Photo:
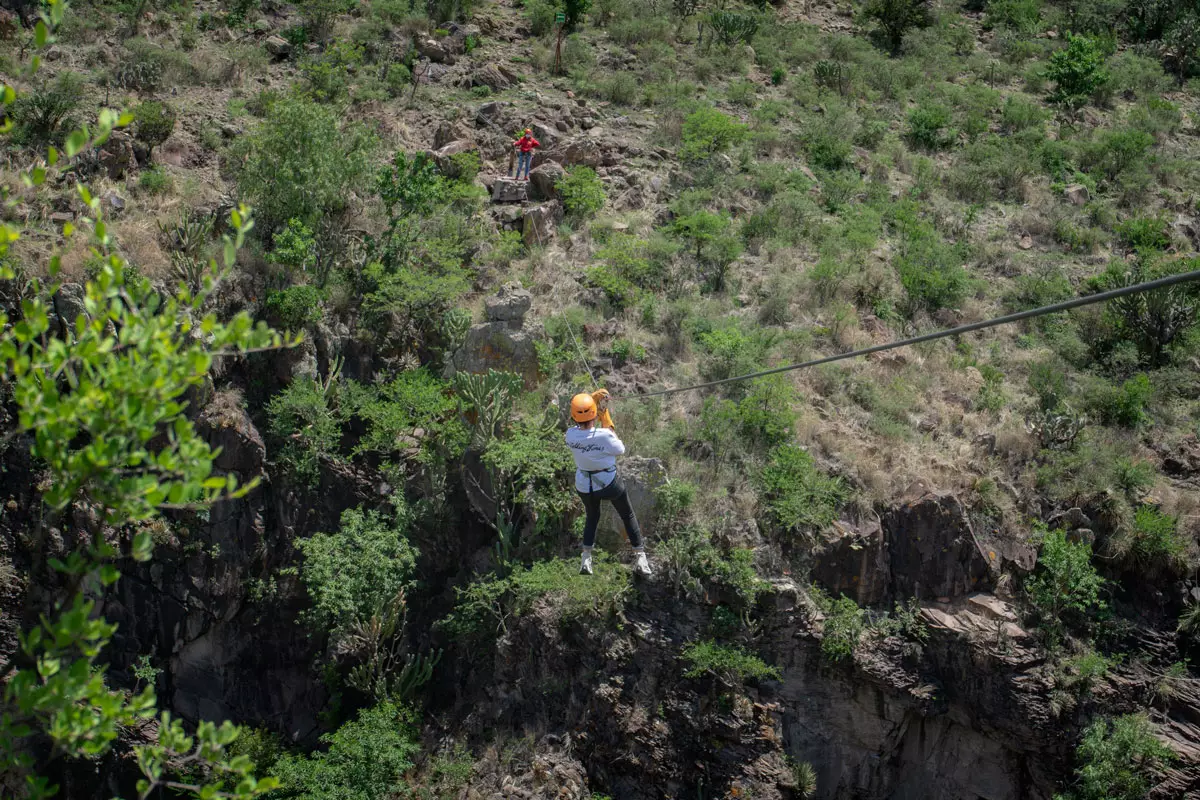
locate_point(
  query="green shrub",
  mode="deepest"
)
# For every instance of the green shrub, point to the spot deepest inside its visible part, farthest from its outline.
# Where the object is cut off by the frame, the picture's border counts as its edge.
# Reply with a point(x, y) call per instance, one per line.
point(295, 307)
point(366, 759)
point(388, 412)
point(301, 163)
point(1077, 71)
point(1153, 540)
point(1137, 76)
point(1112, 153)
point(1144, 233)
point(154, 181)
point(733, 27)
point(318, 16)
point(895, 18)
point(540, 15)
point(622, 88)
point(582, 192)
point(153, 123)
point(929, 127)
point(1156, 322)
point(486, 605)
point(301, 420)
point(354, 574)
point(44, 115)
point(931, 271)
point(1020, 114)
point(295, 247)
point(1118, 759)
point(707, 132)
point(843, 625)
point(618, 290)
point(1064, 588)
point(1125, 405)
point(690, 557)
point(799, 497)
point(731, 665)
point(575, 10)
point(733, 350)
point(1024, 16)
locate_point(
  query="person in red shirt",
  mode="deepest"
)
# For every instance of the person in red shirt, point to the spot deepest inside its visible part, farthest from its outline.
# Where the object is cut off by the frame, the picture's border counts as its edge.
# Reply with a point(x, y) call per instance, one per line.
point(525, 147)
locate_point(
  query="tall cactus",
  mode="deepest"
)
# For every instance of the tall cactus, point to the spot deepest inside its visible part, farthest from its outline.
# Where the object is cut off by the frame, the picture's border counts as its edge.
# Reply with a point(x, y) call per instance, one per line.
point(486, 398)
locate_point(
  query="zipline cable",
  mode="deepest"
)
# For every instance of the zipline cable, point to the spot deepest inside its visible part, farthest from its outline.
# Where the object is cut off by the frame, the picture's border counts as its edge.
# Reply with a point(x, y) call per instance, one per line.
point(1113, 294)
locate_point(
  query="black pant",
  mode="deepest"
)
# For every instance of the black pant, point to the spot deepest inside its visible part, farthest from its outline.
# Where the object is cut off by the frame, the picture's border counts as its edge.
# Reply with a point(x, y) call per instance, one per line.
point(615, 493)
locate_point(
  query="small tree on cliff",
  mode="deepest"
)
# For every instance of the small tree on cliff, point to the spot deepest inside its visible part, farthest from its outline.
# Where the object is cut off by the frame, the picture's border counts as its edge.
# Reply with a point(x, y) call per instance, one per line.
point(92, 402)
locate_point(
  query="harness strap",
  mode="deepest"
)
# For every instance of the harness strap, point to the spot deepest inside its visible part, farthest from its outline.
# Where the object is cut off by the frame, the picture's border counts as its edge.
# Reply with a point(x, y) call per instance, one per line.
point(591, 472)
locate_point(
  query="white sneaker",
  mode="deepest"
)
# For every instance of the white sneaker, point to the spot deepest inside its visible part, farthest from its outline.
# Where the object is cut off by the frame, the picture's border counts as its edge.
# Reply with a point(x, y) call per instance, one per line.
point(641, 564)
point(585, 563)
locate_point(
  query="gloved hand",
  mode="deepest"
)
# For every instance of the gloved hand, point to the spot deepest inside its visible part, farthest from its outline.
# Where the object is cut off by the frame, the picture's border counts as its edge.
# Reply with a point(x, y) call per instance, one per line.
point(603, 418)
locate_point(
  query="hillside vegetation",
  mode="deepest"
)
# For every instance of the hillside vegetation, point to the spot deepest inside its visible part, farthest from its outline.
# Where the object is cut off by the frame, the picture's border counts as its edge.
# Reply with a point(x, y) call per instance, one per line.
point(722, 187)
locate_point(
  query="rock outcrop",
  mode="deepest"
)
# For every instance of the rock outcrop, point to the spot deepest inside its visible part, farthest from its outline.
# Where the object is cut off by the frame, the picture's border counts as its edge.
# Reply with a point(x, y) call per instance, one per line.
point(504, 342)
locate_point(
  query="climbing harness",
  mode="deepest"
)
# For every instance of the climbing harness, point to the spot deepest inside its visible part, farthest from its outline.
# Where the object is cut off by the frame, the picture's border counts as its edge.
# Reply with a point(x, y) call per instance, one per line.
point(1125, 291)
point(591, 472)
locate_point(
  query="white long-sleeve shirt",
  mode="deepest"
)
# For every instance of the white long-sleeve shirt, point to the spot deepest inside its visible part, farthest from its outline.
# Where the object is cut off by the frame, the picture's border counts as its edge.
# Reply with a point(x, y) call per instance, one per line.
point(594, 449)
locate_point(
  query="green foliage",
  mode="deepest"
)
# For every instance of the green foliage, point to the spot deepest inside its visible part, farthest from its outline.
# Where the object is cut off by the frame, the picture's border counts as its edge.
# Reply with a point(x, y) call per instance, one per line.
point(301, 163)
point(153, 123)
point(417, 270)
point(486, 605)
point(1122, 405)
point(318, 16)
point(733, 27)
point(295, 247)
point(530, 467)
point(1024, 16)
point(1077, 71)
point(895, 18)
point(1144, 233)
point(928, 126)
point(102, 412)
point(1064, 589)
point(843, 625)
point(799, 496)
point(575, 10)
point(352, 575)
point(690, 557)
point(762, 419)
point(295, 307)
point(540, 14)
point(582, 192)
point(1118, 759)
point(1156, 322)
point(154, 181)
point(366, 759)
point(1153, 540)
point(931, 271)
point(388, 413)
point(707, 132)
point(733, 350)
point(301, 420)
point(729, 664)
point(44, 115)
point(488, 397)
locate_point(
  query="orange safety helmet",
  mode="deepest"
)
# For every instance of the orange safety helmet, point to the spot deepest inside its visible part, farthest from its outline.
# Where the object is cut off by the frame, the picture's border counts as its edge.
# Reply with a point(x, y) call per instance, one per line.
point(583, 408)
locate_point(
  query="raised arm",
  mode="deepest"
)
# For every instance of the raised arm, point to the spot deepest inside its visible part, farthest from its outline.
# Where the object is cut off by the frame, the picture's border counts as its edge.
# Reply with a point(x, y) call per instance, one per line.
point(612, 443)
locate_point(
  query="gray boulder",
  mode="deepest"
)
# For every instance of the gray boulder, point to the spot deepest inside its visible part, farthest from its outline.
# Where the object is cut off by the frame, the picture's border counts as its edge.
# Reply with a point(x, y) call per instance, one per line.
point(504, 342)
point(510, 305)
point(544, 180)
point(435, 50)
point(510, 190)
point(278, 46)
point(541, 223)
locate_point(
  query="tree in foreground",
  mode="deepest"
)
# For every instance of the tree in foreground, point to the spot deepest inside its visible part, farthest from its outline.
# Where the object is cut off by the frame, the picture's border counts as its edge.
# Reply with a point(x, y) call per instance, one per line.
point(100, 404)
